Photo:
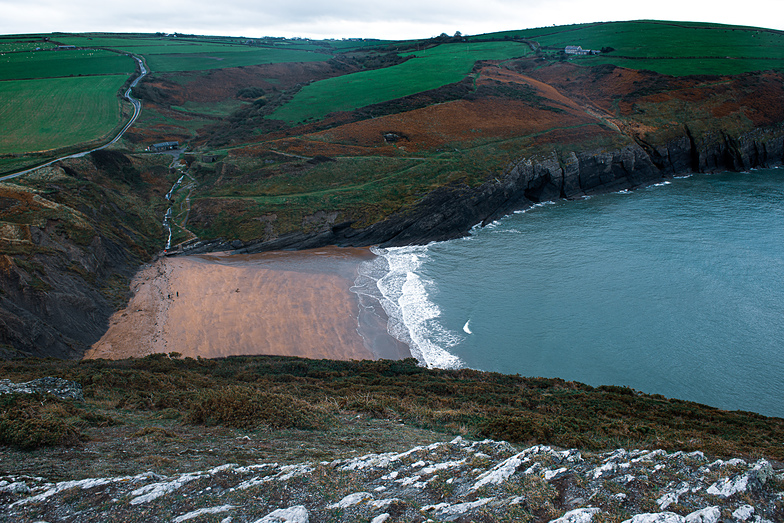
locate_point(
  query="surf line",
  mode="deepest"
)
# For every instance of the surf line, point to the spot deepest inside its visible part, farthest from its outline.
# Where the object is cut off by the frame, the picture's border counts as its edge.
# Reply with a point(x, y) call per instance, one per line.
point(413, 318)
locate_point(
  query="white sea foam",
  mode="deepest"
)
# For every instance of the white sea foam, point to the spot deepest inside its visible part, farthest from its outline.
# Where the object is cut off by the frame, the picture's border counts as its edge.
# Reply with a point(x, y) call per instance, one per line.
point(661, 184)
point(535, 206)
point(391, 278)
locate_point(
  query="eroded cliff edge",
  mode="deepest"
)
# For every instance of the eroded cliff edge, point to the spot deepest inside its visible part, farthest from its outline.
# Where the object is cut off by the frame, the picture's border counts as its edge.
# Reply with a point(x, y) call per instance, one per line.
point(72, 235)
point(451, 211)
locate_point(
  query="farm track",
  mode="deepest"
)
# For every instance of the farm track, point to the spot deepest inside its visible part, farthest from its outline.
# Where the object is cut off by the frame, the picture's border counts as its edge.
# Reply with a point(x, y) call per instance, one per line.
point(137, 109)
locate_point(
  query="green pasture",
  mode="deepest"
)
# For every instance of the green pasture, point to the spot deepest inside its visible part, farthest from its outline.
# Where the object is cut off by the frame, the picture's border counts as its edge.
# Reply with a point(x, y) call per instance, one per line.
point(20, 46)
point(429, 69)
point(660, 39)
point(189, 48)
point(158, 45)
point(46, 114)
point(53, 64)
point(674, 48)
point(115, 42)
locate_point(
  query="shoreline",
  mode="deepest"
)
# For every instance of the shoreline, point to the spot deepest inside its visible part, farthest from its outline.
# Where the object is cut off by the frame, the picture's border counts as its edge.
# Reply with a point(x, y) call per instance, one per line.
point(286, 303)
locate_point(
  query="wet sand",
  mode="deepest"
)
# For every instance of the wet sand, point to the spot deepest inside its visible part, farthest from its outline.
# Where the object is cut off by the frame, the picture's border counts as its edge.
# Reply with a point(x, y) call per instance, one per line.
point(276, 303)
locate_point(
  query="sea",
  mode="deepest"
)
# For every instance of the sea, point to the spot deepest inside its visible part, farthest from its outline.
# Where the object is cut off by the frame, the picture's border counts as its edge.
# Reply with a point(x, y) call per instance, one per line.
point(674, 289)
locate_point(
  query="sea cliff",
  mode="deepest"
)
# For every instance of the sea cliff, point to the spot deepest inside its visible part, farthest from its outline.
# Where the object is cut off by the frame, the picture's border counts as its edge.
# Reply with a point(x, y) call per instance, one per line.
point(450, 211)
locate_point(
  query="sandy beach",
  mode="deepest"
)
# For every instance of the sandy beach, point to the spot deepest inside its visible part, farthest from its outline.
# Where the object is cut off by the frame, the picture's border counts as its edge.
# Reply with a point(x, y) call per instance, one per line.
point(275, 303)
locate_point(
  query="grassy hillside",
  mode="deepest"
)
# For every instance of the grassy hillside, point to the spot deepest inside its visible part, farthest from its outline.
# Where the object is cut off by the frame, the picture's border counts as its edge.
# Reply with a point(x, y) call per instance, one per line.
point(426, 70)
point(673, 48)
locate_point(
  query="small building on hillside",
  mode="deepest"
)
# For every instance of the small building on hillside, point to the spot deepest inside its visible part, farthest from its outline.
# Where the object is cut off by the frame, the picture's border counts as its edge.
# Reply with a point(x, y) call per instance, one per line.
point(578, 50)
point(163, 146)
point(575, 49)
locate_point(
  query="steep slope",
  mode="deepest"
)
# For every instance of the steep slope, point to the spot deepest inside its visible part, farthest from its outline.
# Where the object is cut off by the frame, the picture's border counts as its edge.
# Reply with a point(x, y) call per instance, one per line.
point(72, 236)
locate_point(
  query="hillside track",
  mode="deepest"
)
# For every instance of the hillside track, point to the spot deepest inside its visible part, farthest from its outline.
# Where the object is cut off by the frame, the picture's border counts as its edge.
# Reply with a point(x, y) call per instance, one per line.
point(137, 109)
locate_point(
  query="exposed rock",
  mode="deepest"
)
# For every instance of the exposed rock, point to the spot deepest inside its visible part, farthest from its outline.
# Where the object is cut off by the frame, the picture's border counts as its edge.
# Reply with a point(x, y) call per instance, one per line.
point(753, 479)
point(436, 482)
point(63, 389)
point(451, 211)
point(297, 514)
point(580, 515)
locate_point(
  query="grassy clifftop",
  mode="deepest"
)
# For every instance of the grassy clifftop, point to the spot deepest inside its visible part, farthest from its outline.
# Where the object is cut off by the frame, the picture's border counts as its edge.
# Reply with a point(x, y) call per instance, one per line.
point(256, 395)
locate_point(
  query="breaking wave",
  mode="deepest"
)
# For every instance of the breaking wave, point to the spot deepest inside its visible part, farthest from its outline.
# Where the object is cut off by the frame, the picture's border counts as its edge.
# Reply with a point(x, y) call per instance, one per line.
point(391, 278)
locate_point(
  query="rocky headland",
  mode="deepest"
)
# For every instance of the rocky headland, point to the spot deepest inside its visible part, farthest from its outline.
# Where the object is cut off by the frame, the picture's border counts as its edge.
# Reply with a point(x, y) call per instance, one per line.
point(451, 211)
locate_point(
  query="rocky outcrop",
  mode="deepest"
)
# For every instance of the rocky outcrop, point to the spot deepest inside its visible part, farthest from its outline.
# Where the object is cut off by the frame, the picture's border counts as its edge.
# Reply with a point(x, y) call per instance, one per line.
point(53, 305)
point(63, 389)
point(452, 481)
point(449, 212)
point(71, 236)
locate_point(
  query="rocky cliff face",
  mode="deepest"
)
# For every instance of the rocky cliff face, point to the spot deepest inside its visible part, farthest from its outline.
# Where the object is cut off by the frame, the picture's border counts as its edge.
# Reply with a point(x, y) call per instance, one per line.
point(52, 305)
point(450, 212)
point(71, 237)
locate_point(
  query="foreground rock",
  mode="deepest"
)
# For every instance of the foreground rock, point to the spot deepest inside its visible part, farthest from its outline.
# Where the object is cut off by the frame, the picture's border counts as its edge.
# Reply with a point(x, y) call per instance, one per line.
point(455, 481)
point(63, 389)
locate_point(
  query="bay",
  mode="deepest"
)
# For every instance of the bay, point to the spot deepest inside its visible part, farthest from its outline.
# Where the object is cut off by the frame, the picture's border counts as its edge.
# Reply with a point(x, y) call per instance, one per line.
point(675, 289)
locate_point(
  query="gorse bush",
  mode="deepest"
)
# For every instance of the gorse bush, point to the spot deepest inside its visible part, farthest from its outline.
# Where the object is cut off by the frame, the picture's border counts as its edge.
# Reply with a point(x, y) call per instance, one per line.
point(246, 407)
point(30, 421)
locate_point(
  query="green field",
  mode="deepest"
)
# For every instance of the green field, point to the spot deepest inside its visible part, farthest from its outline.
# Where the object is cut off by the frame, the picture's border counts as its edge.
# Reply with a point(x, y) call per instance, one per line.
point(192, 53)
point(674, 48)
point(39, 115)
point(53, 64)
point(16, 46)
point(429, 69)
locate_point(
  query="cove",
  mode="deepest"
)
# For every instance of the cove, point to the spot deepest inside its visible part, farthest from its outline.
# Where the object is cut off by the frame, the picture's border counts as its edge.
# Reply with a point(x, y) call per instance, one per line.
point(674, 289)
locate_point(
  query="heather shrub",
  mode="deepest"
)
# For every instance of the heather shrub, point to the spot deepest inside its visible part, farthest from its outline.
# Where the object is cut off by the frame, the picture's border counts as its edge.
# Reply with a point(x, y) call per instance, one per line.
point(246, 407)
point(29, 421)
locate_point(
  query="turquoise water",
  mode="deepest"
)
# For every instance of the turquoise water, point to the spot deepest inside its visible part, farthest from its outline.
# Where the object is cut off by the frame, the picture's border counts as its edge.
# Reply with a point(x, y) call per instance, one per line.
point(675, 289)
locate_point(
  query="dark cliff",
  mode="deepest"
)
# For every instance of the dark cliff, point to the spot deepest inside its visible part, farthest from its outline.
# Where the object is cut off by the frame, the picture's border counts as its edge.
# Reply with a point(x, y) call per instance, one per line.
point(449, 212)
point(72, 236)
point(54, 306)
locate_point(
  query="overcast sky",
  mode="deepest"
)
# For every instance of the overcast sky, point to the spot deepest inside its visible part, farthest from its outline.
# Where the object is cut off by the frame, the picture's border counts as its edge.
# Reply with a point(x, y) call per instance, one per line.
point(390, 19)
